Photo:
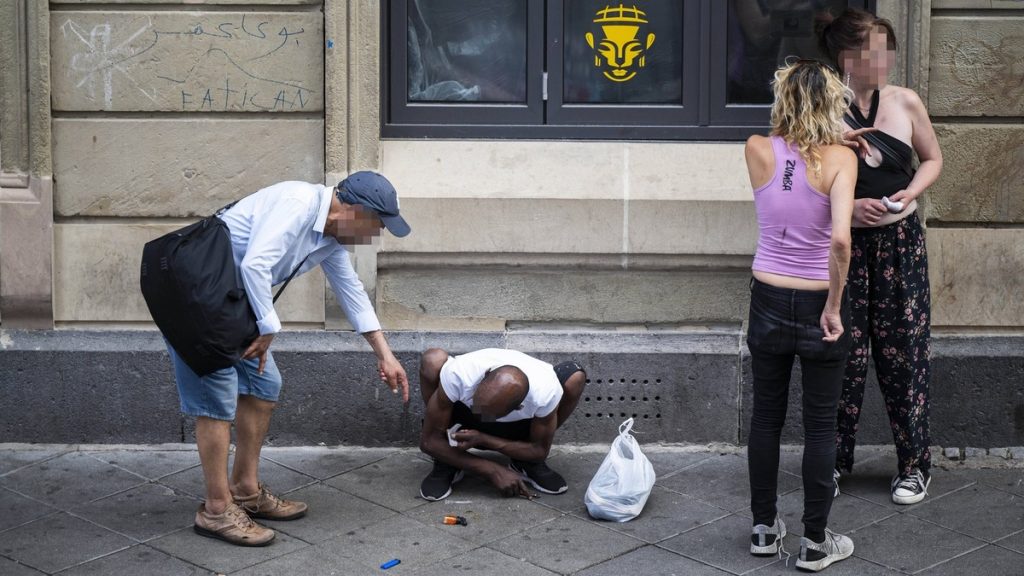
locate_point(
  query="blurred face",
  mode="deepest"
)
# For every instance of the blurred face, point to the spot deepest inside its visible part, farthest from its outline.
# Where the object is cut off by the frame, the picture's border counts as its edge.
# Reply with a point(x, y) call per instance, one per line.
point(870, 65)
point(493, 400)
point(485, 411)
point(356, 225)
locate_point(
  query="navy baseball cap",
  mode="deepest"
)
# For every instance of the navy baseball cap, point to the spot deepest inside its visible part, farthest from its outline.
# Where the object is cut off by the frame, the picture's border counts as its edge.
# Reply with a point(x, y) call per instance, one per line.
point(373, 191)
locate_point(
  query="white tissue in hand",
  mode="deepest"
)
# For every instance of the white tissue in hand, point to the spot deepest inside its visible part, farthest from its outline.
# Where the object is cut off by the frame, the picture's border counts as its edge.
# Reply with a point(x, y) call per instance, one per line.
point(894, 207)
point(453, 430)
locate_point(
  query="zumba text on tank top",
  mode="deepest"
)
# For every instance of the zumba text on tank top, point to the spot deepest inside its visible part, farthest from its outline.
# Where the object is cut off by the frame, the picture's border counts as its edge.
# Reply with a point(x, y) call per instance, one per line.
point(794, 220)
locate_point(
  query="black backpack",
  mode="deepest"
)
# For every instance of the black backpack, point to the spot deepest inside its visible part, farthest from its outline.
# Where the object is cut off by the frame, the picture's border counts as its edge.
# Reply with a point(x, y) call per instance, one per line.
point(195, 296)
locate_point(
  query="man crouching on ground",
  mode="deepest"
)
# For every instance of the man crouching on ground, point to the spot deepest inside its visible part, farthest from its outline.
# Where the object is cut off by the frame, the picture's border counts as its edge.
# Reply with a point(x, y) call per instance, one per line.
point(500, 400)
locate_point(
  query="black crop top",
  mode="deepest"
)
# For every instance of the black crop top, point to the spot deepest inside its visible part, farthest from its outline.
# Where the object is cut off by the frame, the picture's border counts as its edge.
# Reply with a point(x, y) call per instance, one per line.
point(888, 178)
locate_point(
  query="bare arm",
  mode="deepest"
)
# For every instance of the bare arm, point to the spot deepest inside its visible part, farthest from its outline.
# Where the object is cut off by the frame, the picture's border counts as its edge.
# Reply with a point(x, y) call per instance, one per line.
point(760, 160)
point(542, 434)
point(391, 371)
point(841, 200)
point(926, 145)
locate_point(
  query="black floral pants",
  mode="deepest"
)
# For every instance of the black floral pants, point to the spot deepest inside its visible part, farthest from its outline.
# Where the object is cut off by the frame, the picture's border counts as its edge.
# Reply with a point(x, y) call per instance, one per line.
point(890, 307)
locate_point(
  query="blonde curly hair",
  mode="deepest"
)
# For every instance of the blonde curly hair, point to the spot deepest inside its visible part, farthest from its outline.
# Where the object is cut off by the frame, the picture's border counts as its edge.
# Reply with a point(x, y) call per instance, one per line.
point(810, 101)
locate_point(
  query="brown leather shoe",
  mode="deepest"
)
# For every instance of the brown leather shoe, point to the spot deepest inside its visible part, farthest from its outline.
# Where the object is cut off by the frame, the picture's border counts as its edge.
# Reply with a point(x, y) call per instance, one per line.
point(233, 526)
point(265, 505)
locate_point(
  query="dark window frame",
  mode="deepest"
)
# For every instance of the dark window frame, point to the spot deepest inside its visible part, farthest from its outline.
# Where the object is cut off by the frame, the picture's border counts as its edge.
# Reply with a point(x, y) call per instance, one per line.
point(427, 113)
point(714, 119)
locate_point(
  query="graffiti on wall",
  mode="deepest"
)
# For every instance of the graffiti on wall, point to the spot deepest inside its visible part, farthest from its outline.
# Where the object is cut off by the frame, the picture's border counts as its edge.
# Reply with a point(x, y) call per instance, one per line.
point(219, 62)
point(975, 68)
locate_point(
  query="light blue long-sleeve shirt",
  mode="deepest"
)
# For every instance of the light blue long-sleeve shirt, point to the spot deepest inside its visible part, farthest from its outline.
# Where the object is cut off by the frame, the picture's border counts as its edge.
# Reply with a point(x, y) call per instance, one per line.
point(273, 230)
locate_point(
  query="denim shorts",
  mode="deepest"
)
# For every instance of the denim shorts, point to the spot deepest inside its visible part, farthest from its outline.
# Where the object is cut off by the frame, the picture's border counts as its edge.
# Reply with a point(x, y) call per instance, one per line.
point(216, 394)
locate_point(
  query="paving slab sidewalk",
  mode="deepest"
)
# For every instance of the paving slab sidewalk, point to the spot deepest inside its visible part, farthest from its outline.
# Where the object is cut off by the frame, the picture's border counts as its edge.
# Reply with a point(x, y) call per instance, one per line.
point(77, 510)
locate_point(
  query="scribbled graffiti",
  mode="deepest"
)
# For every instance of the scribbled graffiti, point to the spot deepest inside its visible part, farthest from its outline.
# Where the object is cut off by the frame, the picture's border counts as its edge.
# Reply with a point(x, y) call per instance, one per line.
point(225, 62)
point(993, 73)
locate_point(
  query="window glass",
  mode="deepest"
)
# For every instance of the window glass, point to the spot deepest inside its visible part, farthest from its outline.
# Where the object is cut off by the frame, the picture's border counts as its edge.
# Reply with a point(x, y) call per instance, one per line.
point(623, 54)
point(467, 51)
point(761, 34)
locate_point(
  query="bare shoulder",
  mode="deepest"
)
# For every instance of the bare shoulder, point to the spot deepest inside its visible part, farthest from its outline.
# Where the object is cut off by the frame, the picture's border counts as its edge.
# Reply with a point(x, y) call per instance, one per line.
point(757, 141)
point(837, 160)
point(840, 155)
point(443, 401)
point(905, 97)
point(760, 159)
point(758, 146)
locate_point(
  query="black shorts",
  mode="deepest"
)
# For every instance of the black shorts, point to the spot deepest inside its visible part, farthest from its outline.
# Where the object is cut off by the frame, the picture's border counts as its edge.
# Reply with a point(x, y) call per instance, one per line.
point(516, 430)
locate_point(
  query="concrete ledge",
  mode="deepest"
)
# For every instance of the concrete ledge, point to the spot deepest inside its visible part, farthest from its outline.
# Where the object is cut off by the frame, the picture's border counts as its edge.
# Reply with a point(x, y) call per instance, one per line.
point(581, 226)
point(420, 298)
point(682, 386)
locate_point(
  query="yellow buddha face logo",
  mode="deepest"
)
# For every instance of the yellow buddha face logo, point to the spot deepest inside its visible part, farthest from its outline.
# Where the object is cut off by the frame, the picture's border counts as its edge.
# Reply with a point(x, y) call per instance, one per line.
point(624, 45)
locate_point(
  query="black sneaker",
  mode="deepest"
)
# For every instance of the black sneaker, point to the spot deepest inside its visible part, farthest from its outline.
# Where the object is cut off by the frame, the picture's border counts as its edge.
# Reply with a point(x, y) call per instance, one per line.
point(910, 488)
point(540, 476)
point(816, 556)
point(767, 540)
point(438, 484)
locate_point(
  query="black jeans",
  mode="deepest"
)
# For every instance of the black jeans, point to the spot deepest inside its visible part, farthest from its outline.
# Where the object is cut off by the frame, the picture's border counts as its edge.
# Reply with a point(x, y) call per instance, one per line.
point(785, 323)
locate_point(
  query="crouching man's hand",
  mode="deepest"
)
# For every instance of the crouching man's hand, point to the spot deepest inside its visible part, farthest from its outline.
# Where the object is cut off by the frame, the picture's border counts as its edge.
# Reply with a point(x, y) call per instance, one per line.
point(509, 483)
point(467, 439)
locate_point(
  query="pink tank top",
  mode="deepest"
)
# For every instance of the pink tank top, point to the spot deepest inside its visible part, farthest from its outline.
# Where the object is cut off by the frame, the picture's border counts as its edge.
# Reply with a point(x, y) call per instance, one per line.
point(795, 220)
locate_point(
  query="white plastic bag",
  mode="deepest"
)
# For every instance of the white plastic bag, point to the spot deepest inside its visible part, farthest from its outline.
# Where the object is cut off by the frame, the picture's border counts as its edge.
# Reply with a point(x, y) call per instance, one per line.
point(622, 484)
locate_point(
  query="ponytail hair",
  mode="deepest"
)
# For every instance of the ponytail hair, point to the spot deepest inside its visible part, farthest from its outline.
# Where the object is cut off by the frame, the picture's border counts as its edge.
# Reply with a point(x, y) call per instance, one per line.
point(848, 32)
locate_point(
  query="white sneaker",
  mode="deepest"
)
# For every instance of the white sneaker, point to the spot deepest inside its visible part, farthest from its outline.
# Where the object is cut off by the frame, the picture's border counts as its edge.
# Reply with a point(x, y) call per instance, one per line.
point(910, 488)
point(835, 480)
point(815, 556)
point(767, 540)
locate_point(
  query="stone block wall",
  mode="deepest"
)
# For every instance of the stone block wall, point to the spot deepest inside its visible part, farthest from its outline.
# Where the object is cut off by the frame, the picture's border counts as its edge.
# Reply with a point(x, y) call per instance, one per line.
point(577, 232)
point(164, 112)
point(976, 210)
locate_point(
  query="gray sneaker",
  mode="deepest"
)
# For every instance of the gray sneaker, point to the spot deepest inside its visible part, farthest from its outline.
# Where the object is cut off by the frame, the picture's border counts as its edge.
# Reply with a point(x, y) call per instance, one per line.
point(767, 540)
point(815, 557)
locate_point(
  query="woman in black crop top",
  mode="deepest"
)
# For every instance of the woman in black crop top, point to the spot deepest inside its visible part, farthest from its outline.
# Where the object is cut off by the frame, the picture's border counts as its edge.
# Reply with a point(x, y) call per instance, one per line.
point(888, 278)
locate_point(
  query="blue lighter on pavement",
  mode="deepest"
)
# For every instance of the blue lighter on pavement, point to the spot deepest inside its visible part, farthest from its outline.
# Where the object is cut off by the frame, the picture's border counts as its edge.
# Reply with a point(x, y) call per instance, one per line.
point(390, 564)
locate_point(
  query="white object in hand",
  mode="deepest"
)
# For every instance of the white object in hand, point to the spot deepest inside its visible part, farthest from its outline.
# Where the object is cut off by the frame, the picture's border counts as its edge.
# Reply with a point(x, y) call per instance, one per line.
point(453, 430)
point(894, 207)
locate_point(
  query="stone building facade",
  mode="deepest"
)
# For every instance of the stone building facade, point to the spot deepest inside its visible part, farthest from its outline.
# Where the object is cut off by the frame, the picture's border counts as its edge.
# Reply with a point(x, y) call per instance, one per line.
point(125, 119)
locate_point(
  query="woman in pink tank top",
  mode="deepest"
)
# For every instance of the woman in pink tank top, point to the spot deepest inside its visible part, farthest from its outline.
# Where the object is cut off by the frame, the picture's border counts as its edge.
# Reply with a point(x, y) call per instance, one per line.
point(803, 180)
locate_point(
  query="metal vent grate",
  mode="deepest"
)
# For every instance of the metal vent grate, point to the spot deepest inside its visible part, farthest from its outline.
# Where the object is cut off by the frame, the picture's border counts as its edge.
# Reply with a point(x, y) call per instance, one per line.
point(621, 398)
